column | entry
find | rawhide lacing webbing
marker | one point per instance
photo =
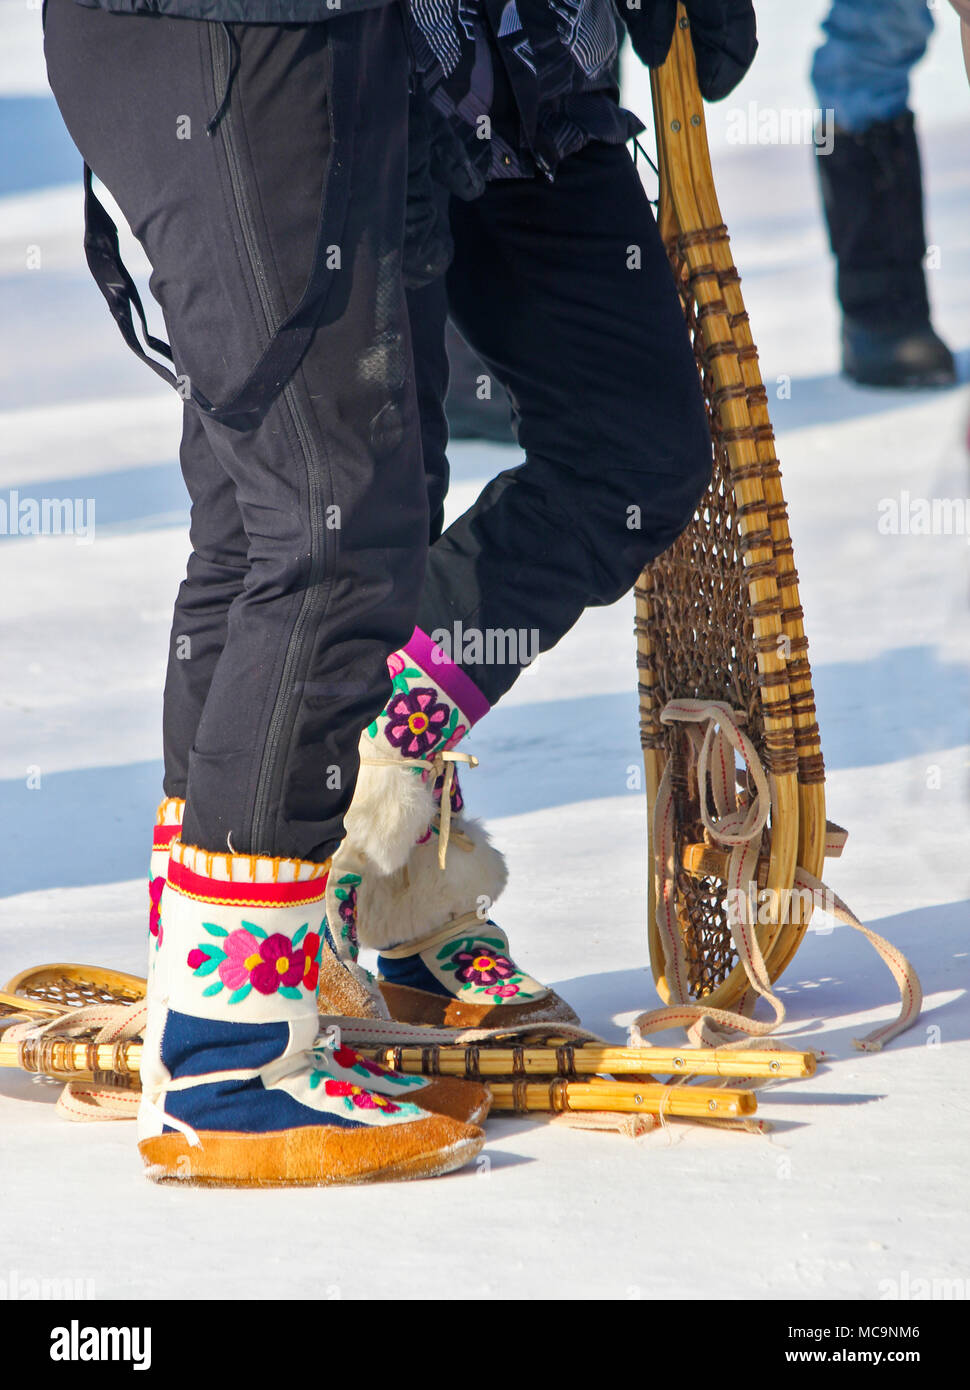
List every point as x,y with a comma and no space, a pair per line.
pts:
736,824
110,1094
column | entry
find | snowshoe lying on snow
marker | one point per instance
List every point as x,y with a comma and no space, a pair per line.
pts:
234,1092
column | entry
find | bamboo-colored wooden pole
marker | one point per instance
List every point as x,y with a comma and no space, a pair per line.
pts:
593,1060
653,758
650,699
118,1064
694,1102
67,1060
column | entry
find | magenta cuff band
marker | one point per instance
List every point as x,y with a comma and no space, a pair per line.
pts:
451,679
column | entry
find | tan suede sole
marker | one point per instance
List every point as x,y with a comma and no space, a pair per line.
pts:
467,1101
314,1156
409,1005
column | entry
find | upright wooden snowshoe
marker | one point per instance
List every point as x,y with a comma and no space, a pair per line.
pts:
734,773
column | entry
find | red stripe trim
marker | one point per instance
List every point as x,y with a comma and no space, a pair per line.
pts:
211,890
164,835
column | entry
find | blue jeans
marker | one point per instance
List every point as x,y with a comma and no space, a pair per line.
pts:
861,71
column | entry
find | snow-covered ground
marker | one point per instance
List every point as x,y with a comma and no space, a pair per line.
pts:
860,1189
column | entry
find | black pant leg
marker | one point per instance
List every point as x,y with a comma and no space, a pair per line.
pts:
215,577
329,486
565,292
428,314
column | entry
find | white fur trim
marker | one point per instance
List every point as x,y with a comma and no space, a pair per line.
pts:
392,807
420,898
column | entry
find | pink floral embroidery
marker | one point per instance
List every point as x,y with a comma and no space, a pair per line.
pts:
482,967
502,991
241,947
395,664
156,887
350,1060
357,1096
281,964
415,721
311,960
247,959
266,965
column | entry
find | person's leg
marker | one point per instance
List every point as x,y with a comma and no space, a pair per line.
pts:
215,578
861,69
427,315
331,495
329,485
565,291
477,407
344,576
872,193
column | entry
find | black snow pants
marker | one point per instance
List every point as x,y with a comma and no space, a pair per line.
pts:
564,290
309,521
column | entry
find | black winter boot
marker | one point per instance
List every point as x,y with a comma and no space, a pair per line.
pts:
872,191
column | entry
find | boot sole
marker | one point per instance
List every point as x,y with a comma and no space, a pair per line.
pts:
314,1156
466,1101
903,381
420,1006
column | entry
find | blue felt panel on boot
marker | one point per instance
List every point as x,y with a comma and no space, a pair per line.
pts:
194,1046
246,1107
202,1046
411,971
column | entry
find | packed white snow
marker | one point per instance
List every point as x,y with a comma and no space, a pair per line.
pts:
860,1189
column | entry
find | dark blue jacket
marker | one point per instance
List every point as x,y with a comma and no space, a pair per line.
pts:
238,11
724,30
514,86
507,88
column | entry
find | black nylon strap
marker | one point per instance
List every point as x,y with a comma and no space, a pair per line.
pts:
103,256
248,404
